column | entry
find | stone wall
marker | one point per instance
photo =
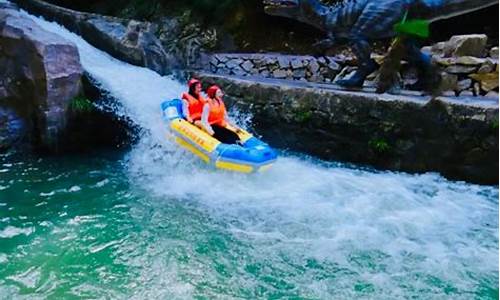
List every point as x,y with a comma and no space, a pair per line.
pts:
403,133
468,67
275,65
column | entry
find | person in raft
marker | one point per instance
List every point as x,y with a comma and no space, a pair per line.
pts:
214,119
193,101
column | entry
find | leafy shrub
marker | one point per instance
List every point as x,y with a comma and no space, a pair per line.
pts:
379,145
80,104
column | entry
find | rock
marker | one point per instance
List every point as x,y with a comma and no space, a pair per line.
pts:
283,62
427,50
334,66
469,61
449,82
12,128
40,72
247,66
234,63
458,69
467,94
448,94
322,61
476,89
314,67
492,94
487,67
270,61
297,64
298,73
129,40
494,53
438,48
213,60
316,78
466,45
344,60
462,60
464,84
444,61
488,81
279,74
239,72
221,58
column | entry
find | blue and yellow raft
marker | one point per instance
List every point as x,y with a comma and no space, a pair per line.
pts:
252,155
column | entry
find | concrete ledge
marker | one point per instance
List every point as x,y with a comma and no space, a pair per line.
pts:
457,137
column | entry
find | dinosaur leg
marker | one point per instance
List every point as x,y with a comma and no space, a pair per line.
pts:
428,77
376,21
366,65
325,44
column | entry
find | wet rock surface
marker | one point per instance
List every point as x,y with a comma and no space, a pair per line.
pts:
40,73
13,129
458,138
129,40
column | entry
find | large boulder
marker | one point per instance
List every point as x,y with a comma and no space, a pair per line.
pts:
128,40
40,72
466,45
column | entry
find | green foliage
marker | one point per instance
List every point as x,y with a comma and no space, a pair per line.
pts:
379,145
303,116
80,104
494,124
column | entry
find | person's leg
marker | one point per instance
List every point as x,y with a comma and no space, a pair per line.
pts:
225,135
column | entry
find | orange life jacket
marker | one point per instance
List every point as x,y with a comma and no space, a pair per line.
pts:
195,105
217,112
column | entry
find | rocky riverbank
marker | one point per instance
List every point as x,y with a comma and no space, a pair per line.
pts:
458,138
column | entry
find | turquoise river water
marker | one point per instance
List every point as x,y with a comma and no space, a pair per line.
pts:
154,223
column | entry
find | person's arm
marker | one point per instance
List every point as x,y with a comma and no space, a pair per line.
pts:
185,110
204,119
226,118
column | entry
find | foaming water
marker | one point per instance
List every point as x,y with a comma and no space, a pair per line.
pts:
394,234
306,228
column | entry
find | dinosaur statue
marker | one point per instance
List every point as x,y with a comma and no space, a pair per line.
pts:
360,21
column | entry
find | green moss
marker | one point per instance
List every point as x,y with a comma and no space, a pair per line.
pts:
80,104
494,124
303,116
379,145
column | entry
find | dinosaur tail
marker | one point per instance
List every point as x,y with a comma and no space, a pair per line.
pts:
444,9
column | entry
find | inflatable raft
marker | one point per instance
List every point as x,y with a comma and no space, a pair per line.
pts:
250,155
